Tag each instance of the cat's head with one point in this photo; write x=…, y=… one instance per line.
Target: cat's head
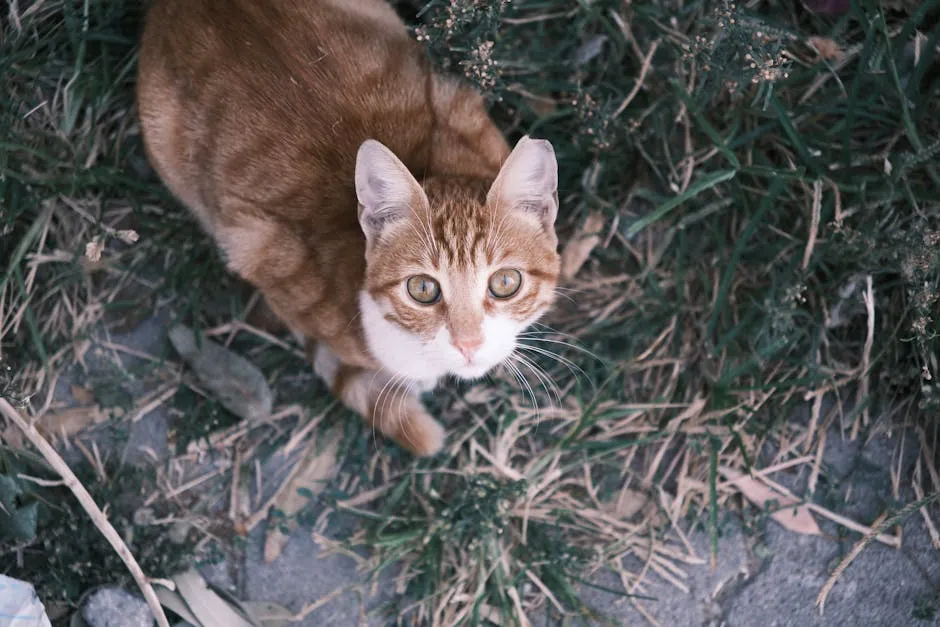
x=455, y=269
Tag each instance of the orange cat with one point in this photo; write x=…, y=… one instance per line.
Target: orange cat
x=273, y=120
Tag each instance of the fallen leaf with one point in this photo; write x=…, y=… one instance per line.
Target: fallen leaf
x=792, y=515
x=581, y=244
x=207, y=606
x=239, y=384
x=627, y=504
x=70, y=421
x=542, y=106
x=310, y=475
x=12, y=437
x=82, y=394
x=827, y=48
x=173, y=601
x=589, y=49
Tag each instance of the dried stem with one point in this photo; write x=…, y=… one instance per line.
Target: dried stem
x=88, y=504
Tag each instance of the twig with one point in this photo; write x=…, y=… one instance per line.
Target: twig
x=46, y=483
x=919, y=493
x=869, y=297
x=647, y=61
x=814, y=224
x=88, y=504
x=848, y=559
x=882, y=523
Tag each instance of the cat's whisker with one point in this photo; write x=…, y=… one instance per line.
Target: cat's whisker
x=406, y=391
x=553, y=330
x=572, y=290
x=351, y=320
x=521, y=378
x=563, y=295
x=382, y=399
x=548, y=384
x=580, y=349
x=574, y=368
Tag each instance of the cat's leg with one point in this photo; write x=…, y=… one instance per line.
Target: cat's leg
x=386, y=403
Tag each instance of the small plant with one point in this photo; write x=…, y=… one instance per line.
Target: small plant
x=50, y=541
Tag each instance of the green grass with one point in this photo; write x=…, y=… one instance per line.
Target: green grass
x=736, y=142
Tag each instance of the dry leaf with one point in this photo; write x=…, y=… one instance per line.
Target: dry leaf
x=627, y=504
x=579, y=247
x=589, y=49
x=81, y=394
x=796, y=518
x=173, y=601
x=207, y=606
x=70, y=421
x=12, y=437
x=312, y=472
x=542, y=106
x=238, y=384
x=827, y=48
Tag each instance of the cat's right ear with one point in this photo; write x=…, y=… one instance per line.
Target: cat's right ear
x=386, y=190
x=528, y=183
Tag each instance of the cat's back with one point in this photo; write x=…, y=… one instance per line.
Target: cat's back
x=250, y=91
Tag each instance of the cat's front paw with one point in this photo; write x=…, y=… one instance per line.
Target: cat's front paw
x=420, y=433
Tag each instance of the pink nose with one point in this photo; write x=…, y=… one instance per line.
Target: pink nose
x=468, y=346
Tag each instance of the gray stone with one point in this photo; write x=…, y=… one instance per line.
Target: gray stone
x=882, y=587
x=115, y=607
x=708, y=587
x=301, y=575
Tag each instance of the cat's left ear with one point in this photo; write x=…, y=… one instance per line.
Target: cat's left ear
x=386, y=190
x=528, y=182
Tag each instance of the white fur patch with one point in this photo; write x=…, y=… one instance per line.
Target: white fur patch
x=404, y=353
x=325, y=364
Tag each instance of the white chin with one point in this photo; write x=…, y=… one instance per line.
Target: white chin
x=471, y=372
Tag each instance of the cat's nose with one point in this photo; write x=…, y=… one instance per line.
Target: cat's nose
x=468, y=346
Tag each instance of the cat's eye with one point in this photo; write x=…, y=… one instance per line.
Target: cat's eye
x=424, y=289
x=505, y=283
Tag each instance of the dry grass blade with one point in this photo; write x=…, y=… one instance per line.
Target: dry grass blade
x=89, y=505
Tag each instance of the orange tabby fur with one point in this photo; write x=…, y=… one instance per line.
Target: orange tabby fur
x=255, y=114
